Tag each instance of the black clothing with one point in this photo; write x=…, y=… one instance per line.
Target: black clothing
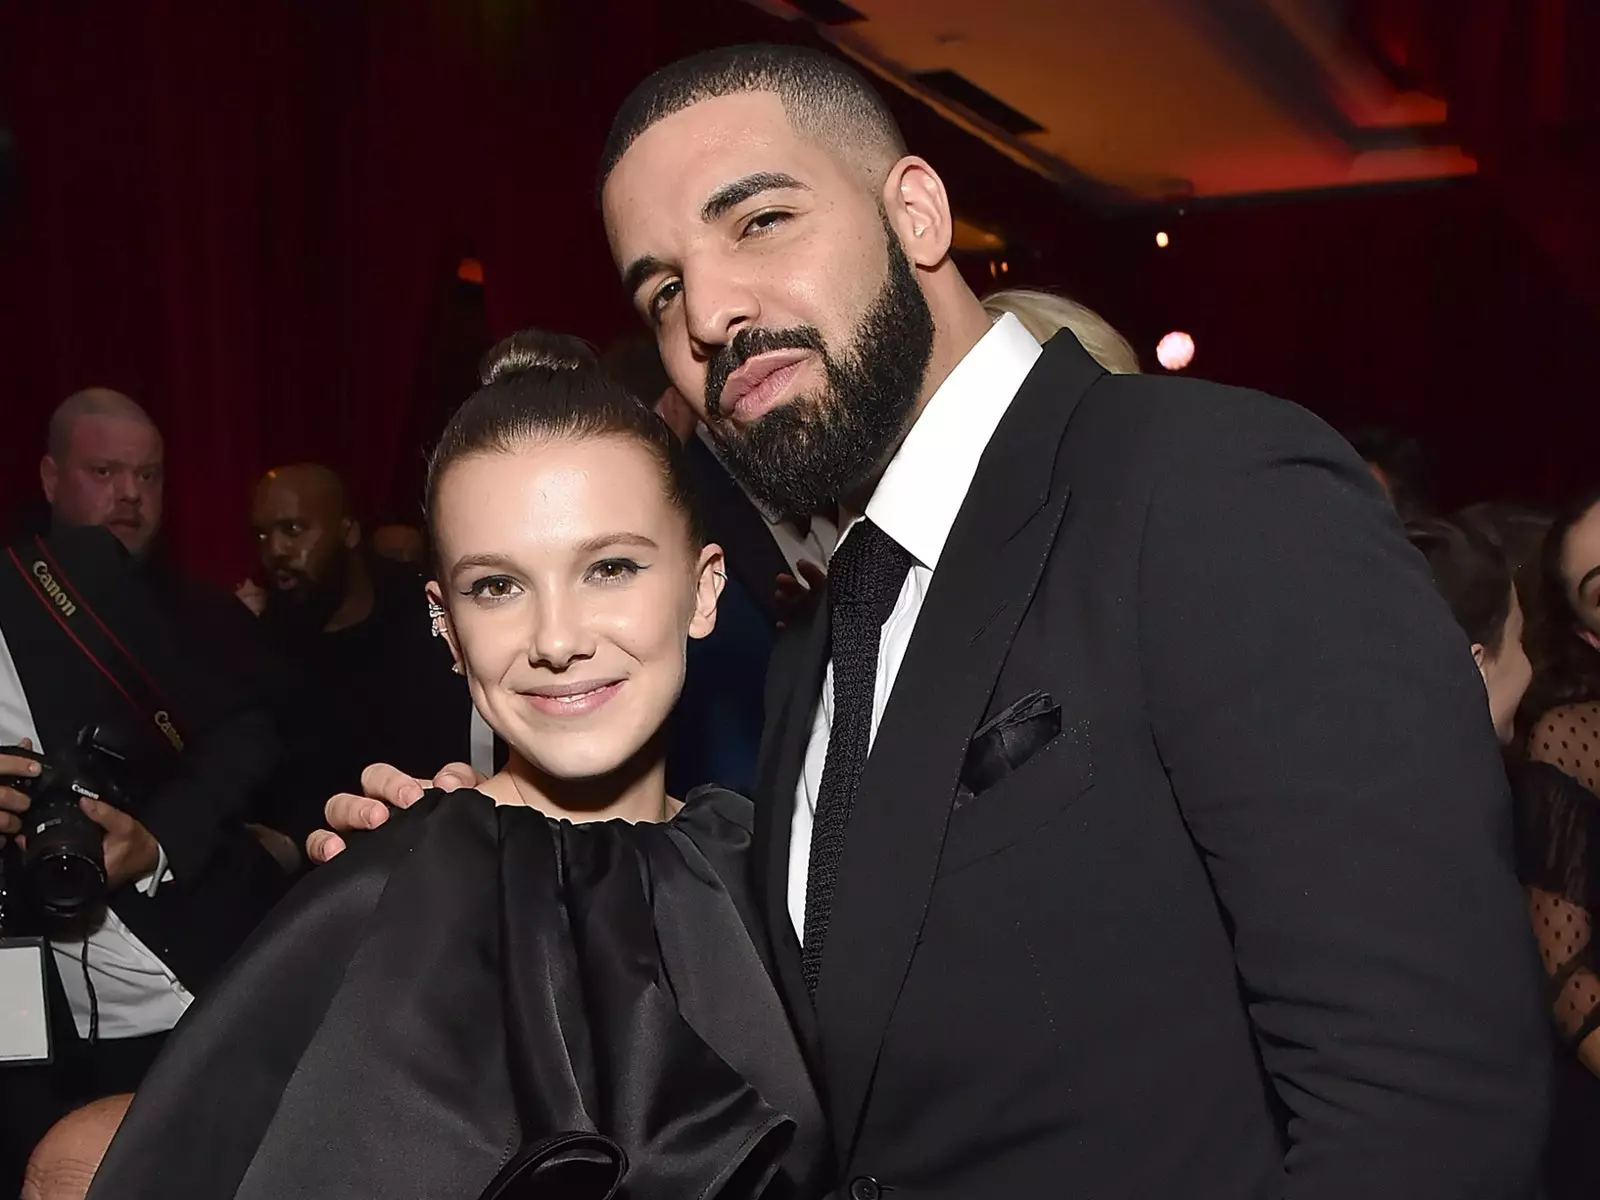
x=1558, y=851
x=1247, y=925
x=469, y=983
x=379, y=691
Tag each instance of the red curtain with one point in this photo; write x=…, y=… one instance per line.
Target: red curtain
x=249, y=217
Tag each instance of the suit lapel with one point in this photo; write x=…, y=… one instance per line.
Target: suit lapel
x=803, y=658
x=981, y=589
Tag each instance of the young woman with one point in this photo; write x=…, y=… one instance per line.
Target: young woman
x=1566, y=733
x=572, y=1001
x=1558, y=831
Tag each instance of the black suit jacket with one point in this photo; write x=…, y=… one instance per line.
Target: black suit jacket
x=222, y=881
x=1248, y=927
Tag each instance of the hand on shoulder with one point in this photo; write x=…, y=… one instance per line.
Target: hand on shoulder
x=382, y=787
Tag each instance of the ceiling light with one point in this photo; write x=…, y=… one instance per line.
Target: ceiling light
x=1175, y=351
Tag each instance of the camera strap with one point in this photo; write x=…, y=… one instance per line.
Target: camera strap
x=84, y=628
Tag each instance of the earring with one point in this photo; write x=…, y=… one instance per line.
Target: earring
x=457, y=668
x=722, y=575
x=436, y=617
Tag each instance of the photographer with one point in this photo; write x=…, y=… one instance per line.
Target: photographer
x=98, y=683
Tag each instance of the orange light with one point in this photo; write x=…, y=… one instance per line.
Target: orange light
x=470, y=270
x=1175, y=351
x=1163, y=240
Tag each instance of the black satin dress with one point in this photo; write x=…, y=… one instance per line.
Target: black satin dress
x=480, y=1001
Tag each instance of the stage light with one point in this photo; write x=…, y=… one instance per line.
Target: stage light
x=1163, y=240
x=1004, y=267
x=1175, y=351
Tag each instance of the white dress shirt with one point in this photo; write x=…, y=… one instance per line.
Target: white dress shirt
x=135, y=992
x=916, y=503
x=814, y=544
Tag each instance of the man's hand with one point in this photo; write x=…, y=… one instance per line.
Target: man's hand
x=252, y=595
x=130, y=849
x=381, y=786
x=793, y=595
x=12, y=802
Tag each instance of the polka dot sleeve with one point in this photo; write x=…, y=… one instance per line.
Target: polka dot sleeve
x=1558, y=824
x=1568, y=738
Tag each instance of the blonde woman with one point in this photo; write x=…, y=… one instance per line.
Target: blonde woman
x=1044, y=314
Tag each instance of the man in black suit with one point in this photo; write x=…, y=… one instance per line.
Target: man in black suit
x=186, y=881
x=1130, y=814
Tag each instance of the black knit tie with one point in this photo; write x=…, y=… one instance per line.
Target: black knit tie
x=864, y=581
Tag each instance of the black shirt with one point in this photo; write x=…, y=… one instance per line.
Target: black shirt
x=379, y=691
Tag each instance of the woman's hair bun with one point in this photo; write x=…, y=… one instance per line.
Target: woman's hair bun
x=535, y=350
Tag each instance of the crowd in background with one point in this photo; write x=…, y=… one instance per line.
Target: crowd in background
x=331, y=637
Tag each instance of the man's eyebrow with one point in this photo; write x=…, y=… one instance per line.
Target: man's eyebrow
x=724, y=199
x=731, y=195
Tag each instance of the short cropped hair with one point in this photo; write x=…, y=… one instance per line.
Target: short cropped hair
x=824, y=99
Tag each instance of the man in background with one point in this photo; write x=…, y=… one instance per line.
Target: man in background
x=401, y=543
x=105, y=465
x=1401, y=467
x=186, y=882
x=716, y=727
x=370, y=680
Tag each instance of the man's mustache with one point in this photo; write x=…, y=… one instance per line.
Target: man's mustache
x=300, y=577
x=744, y=346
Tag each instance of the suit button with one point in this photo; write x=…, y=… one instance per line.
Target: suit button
x=865, y=1187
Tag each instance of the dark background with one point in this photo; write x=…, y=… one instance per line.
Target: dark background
x=250, y=218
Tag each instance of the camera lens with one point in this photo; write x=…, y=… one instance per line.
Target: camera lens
x=64, y=861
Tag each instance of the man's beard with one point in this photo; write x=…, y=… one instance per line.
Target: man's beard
x=306, y=608
x=815, y=449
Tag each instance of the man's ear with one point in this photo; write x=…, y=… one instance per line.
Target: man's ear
x=49, y=478
x=711, y=578
x=919, y=211
x=352, y=533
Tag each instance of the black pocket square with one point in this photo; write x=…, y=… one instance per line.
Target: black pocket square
x=1007, y=740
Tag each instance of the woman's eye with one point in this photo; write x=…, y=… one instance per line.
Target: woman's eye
x=764, y=221
x=614, y=570
x=493, y=587
x=665, y=295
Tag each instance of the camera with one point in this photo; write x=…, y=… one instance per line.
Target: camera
x=63, y=866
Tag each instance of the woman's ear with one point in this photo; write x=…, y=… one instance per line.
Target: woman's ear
x=1589, y=636
x=710, y=579
x=440, y=615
